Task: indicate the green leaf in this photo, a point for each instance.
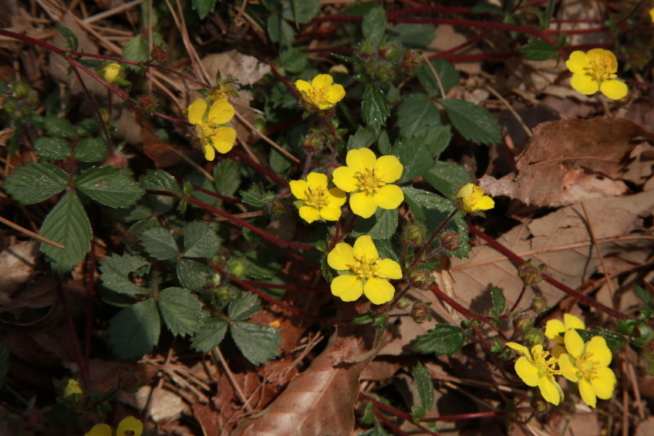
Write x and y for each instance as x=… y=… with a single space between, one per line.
x=424 y=386
x=415 y=113
x=382 y=225
x=300 y=11
x=374 y=108
x=210 y=335
x=51 y=148
x=58 y=127
x=134 y=331
x=363 y=138
x=278 y=162
x=181 y=311
x=160 y=243
x=447 y=177
x=160 y=180
x=374 y=25
x=442 y=339
x=227 y=177
x=614 y=340
x=384 y=143
x=257 y=342
x=91 y=150
x=414 y=35
x=539 y=50
x=36 y=182
x=644 y=296
x=416 y=156
x=293 y=60
x=137 y=49
x=475 y=123
x=244 y=306
x=386 y=250
x=117 y=270
x=253 y=197
x=377 y=431
x=69 y=36
x=108 y=186
x=4 y=362
x=191 y=273
x=448 y=75
x=68 y=225
x=499 y=302
x=200 y=240
x=203 y=7
x=279 y=31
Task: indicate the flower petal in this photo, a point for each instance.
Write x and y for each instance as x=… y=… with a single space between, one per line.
x=572 y=322
x=378 y=291
x=558 y=350
x=360 y=160
x=465 y=191
x=550 y=390
x=389 y=197
x=309 y=214
x=335 y=94
x=388 y=169
x=318 y=180
x=604 y=383
x=129 y=424
x=298 y=189
x=520 y=349
x=577 y=61
x=337 y=197
x=568 y=367
x=600 y=350
x=341 y=257
x=221 y=112
x=302 y=85
x=322 y=81
x=614 y=89
x=344 y=179
x=484 y=203
x=584 y=84
x=209 y=151
x=196 y=111
x=347 y=287
x=573 y=343
x=100 y=430
x=223 y=139
x=554 y=330
x=587 y=392
x=389 y=269
x=364 y=247
x=527 y=371
x=604 y=55
x=363 y=204
x=330 y=213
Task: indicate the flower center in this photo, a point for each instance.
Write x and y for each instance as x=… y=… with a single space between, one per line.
x=587 y=367
x=316 y=197
x=601 y=68
x=364 y=268
x=368 y=181
x=544 y=362
x=318 y=95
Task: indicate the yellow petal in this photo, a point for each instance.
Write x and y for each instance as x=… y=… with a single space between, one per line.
x=606 y=56
x=550 y=390
x=302 y=85
x=584 y=84
x=209 y=152
x=388 y=169
x=363 y=205
x=223 y=139
x=129 y=424
x=568 y=367
x=99 y=430
x=111 y=71
x=196 y=111
x=572 y=322
x=484 y=203
x=347 y=287
x=573 y=343
x=341 y=257
x=335 y=94
x=378 y=291
x=614 y=89
x=364 y=246
x=298 y=189
x=604 y=383
x=322 y=81
x=520 y=349
x=600 y=351
x=527 y=371
x=465 y=191
x=389 y=269
x=389 y=197
x=558 y=350
x=587 y=392
x=577 y=61
x=221 y=112
x=337 y=197
x=360 y=160
x=651 y=15
x=330 y=213
x=72 y=387
x=344 y=179
x=554 y=330
x=317 y=180
x=309 y=214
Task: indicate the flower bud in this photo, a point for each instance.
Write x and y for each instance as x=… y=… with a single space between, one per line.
x=420 y=278
x=390 y=51
x=411 y=62
x=148 y=103
x=522 y=323
x=402 y=303
x=540 y=405
x=534 y=337
x=159 y=53
x=415 y=233
x=19 y=89
x=539 y=304
x=237 y=267
x=366 y=49
x=72 y=388
x=529 y=274
x=450 y=241
x=420 y=312
x=384 y=74
x=111 y=72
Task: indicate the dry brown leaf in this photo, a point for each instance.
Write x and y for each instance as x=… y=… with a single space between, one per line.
x=319 y=401
x=571 y=160
x=16 y=266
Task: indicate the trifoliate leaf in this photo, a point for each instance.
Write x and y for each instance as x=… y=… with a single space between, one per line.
x=475 y=123
x=36 y=182
x=180 y=310
x=58 y=127
x=447 y=74
x=374 y=108
x=117 y=272
x=160 y=243
x=257 y=342
x=136 y=49
x=200 y=240
x=279 y=31
x=442 y=339
x=108 y=186
x=191 y=274
x=244 y=306
x=300 y=11
x=51 y=148
x=415 y=113
x=91 y=149
x=134 y=331
x=210 y=335
x=160 y=180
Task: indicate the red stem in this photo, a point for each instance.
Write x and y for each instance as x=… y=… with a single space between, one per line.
x=244 y=157
x=287 y=287
x=469 y=42
x=215 y=194
x=433 y=236
x=90 y=295
x=390 y=424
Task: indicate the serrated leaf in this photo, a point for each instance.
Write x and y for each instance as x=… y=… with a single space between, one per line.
x=539 y=50
x=300 y=11
x=278 y=162
x=134 y=331
x=210 y=335
x=160 y=180
x=614 y=340
x=116 y=271
x=160 y=244
x=363 y=138
x=227 y=177
x=279 y=31
x=58 y=127
x=253 y=197
x=108 y=186
x=374 y=108
x=199 y=240
x=448 y=75
x=386 y=250
x=293 y=60
x=244 y=306
x=4 y=362
x=442 y=339
x=384 y=143
x=257 y=342
x=180 y=310
x=475 y=123
x=203 y=7
x=136 y=49
x=36 y=182
x=382 y=225
x=191 y=273
x=415 y=113
x=68 y=225
x=424 y=386
x=69 y=36
x=91 y=150
x=447 y=177
x=51 y=148
x=414 y=35
x=416 y=156
x=499 y=302
x=374 y=25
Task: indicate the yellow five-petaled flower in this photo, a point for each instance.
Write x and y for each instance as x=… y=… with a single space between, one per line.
x=317 y=201
x=368 y=179
x=537 y=368
x=129 y=426
x=321 y=93
x=596 y=71
x=362 y=272
x=587 y=363
x=473 y=200
x=209 y=126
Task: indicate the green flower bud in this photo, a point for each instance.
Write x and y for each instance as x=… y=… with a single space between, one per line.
x=531 y=275
x=415 y=233
x=450 y=241
x=420 y=312
x=420 y=278
x=523 y=323
x=534 y=337
x=366 y=49
x=238 y=267
x=390 y=51
x=539 y=304
x=384 y=74
x=402 y=303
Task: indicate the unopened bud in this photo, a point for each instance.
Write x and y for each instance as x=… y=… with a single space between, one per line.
x=237 y=267
x=530 y=274
x=384 y=74
x=389 y=51
x=415 y=233
x=72 y=388
x=534 y=337
x=366 y=49
x=420 y=278
x=19 y=89
x=111 y=72
x=313 y=142
x=522 y=323
x=420 y=312
x=278 y=207
x=148 y=103
x=450 y=241
x=402 y=303
x=411 y=62
x=540 y=405
x=159 y=53
x=539 y=304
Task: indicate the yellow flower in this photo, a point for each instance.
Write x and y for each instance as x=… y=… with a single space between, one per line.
x=129 y=426
x=536 y=368
x=72 y=388
x=555 y=329
x=473 y=200
x=111 y=72
x=368 y=178
x=321 y=93
x=651 y=14
x=362 y=272
x=209 y=128
x=587 y=363
x=595 y=71
x=317 y=201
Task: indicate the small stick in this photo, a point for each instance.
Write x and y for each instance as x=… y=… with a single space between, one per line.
x=433 y=71
x=591 y=233
x=30 y=233
x=230 y=376
x=267 y=139
x=510 y=108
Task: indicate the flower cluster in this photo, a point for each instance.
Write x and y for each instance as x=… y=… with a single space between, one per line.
x=472 y=199
x=321 y=93
x=210 y=126
x=585 y=363
x=596 y=71
x=129 y=426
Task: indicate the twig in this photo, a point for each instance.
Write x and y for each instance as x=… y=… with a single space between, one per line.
x=510 y=108
x=110 y=12
x=433 y=71
x=591 y=233
x=30 y=233
x=266 y=138
x=230 y=376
